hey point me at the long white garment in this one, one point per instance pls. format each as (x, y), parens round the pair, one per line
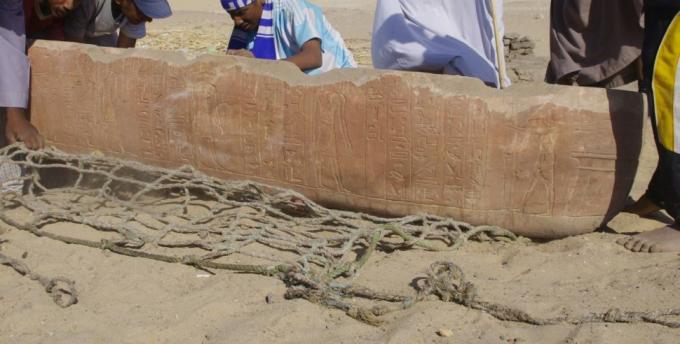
(14, 65)
(443, 36)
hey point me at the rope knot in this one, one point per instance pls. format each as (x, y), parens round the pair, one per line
(447, 281)
(63, 291)
(191, 260)
(105, 244)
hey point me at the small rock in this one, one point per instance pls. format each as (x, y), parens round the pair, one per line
(444, 332)
(269, 299)
(24, 255)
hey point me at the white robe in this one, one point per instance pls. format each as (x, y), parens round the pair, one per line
(14, 65)
(441, 36)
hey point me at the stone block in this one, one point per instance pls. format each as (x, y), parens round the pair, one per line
(544, 161)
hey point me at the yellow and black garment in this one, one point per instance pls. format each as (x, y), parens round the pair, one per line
(666, 88)
(661, 59)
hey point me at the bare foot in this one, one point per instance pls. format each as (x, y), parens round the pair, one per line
(643, 207)
(664, 239)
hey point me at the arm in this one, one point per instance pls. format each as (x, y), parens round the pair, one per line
(239, 39)
(75, 38)
(240, 52)
(304, 25)
(238, 43)
(77, 22)
(129, 34)
(309, 57)
(126, 42)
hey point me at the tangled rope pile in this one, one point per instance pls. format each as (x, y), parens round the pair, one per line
(150, 212)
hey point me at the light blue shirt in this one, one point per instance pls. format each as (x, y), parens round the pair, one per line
(295, 22)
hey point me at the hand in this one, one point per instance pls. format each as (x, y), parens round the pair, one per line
(125, 42)
(17, 128)
(240, 52)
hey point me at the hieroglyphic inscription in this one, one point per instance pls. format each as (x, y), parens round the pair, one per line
(376, 142)
(399, 135)
(295, 122)
(427, 116)
(389, 144)
(455, 147)
(476, 151)
(179, 124)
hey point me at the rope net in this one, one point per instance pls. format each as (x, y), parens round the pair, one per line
(184, 216)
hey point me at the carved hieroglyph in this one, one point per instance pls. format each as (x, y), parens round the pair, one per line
(543, 161)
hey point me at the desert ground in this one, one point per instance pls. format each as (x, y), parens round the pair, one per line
(133, 300)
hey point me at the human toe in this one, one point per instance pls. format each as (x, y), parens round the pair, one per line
(631, 243)
(624, 240)
(639, 244)
(646, 246)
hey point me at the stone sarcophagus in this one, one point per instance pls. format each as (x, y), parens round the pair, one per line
(543, 161)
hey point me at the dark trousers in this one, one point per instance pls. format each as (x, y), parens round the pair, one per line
(664, 188)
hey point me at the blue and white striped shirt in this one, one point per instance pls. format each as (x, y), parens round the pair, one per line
(292, 23)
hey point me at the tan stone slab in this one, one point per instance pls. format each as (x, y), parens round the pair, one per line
(543, 161)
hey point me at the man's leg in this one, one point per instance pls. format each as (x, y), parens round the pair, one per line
(643, 207)
(662, 55)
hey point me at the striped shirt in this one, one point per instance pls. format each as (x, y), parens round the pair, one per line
(292, 23)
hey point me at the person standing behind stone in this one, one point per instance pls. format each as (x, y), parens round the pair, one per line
(291, 30)
(595, 42)
(113, 23)
(661, 71)
(456, 37)
(14, 76)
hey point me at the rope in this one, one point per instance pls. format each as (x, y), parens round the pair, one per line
(61, 289)
(152, 213)
(447, 281)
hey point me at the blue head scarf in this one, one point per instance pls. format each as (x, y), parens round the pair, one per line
(264, 46)
(233, 5)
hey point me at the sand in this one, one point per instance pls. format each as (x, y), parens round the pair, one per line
(131, 300)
